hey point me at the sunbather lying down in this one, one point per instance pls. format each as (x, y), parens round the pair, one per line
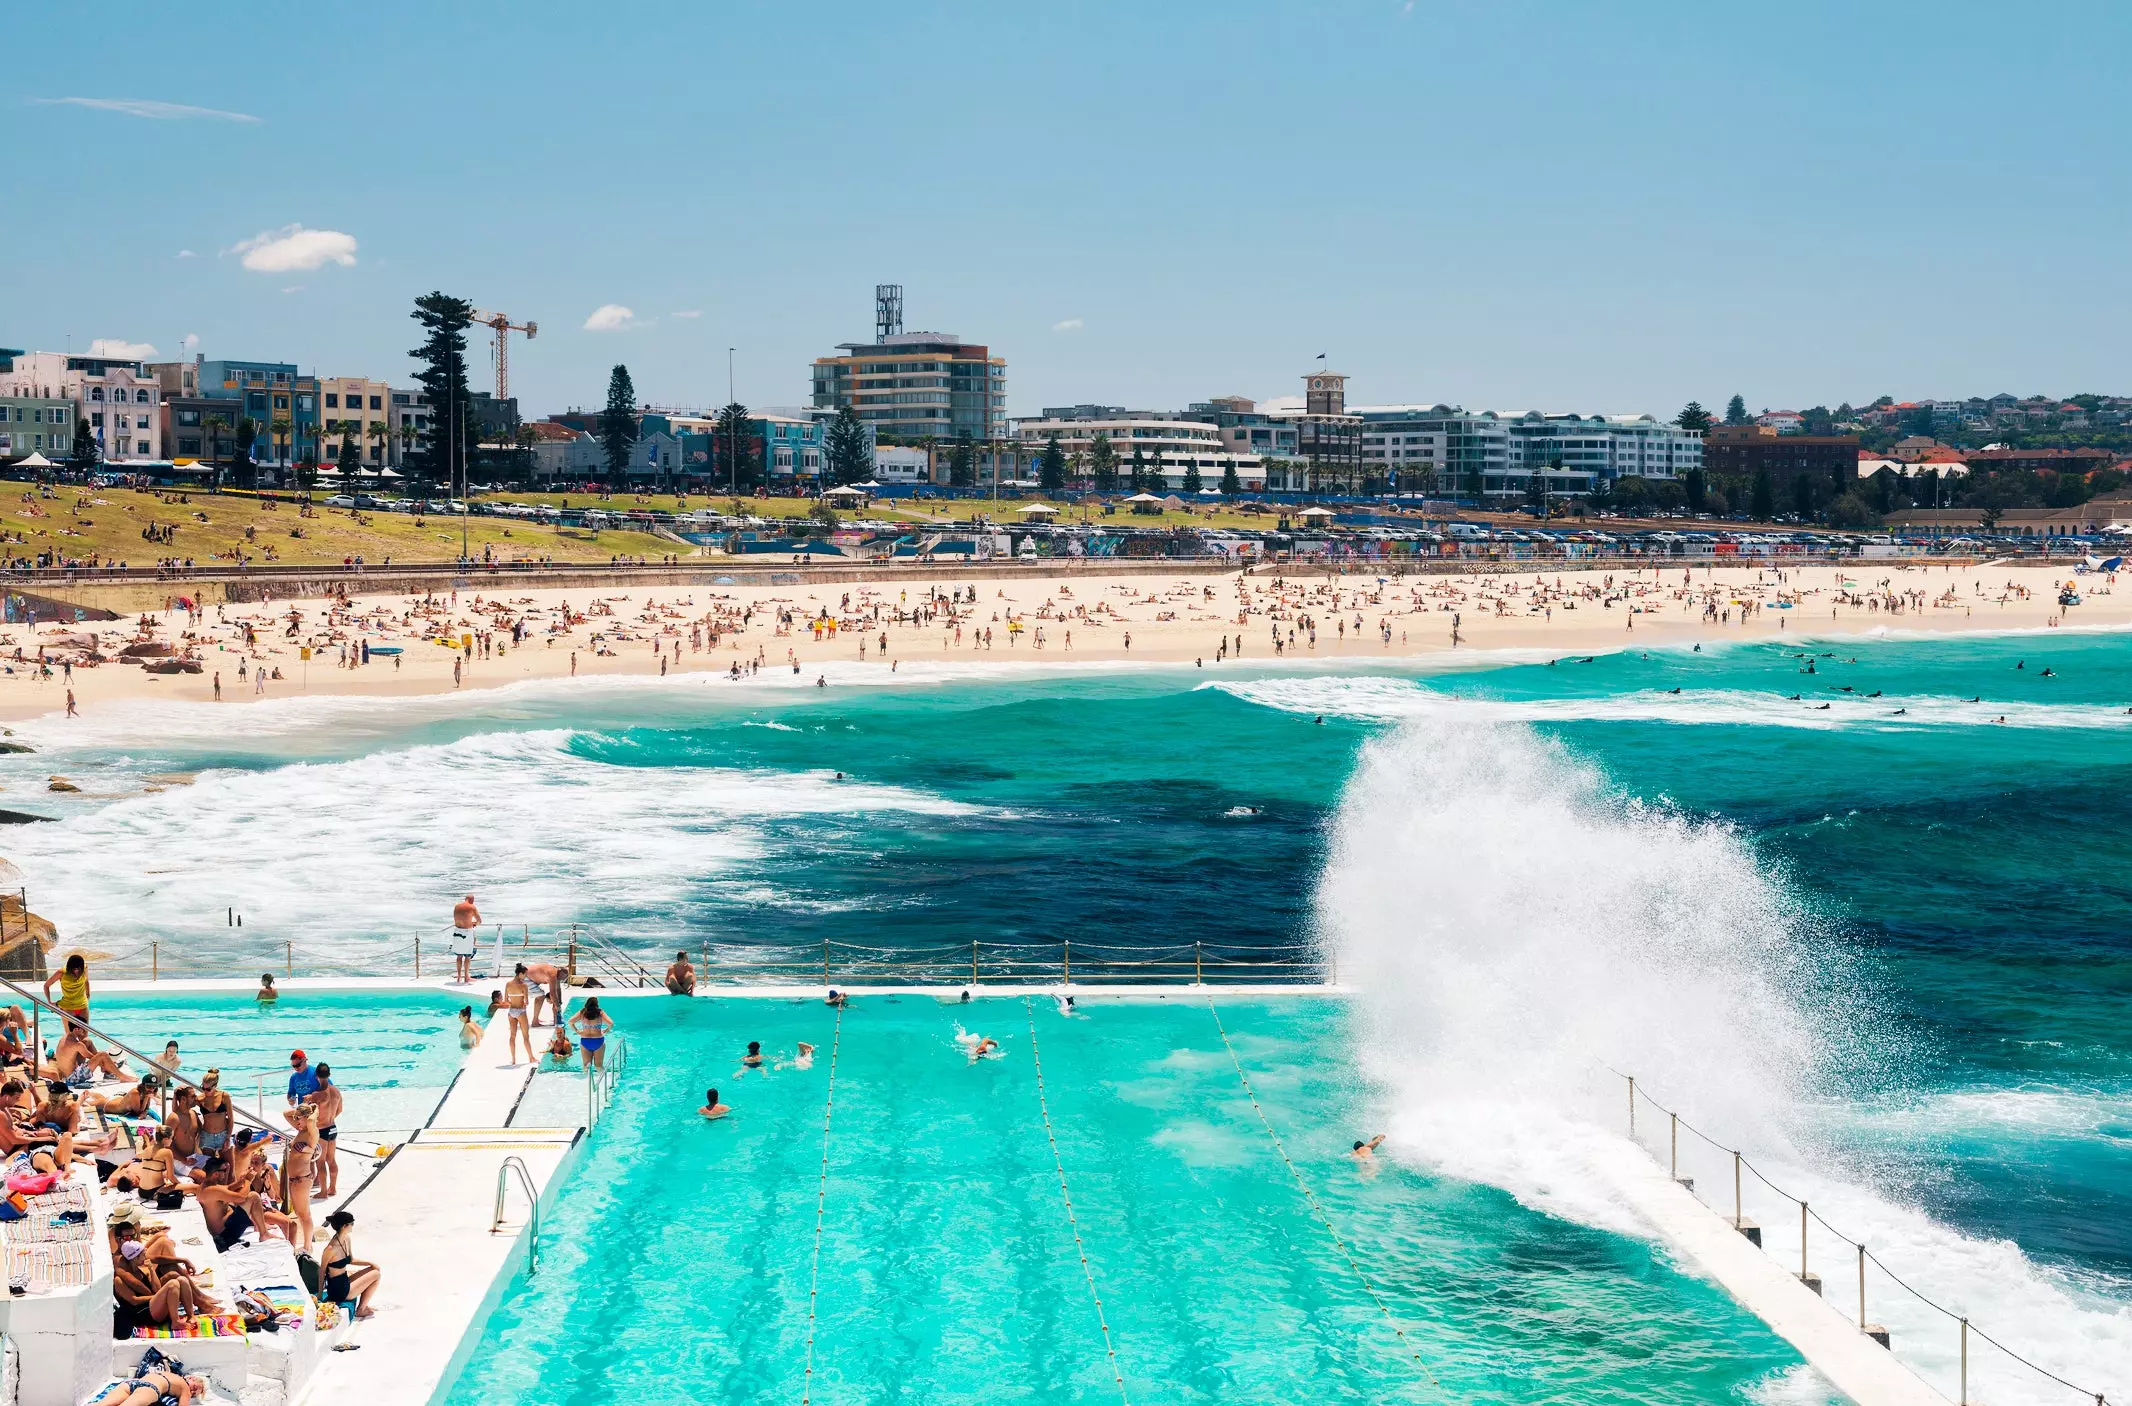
(151, 1387)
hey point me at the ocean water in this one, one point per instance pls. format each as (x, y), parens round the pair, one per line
(1877, 945)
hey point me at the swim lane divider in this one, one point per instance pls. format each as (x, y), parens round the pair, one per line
(1361, 1276)
(821, 1202)
(1043, 1105)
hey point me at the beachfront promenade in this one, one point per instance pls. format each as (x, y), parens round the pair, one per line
(425, 1218)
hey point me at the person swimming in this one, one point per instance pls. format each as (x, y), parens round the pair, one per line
(1364, 1151)
(753, 1058)
(559, 1050)
(1067, 1007)
(712, 1108)
(835, 998)
(802, 1058)
(977, 1047)
(266, 995)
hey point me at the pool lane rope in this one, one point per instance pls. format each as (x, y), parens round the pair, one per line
(821, 1202)
(1110, 1352)
(1361, 1276)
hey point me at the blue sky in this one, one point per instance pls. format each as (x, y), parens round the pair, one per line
(1509, 205)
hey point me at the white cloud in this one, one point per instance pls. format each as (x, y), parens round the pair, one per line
(293, 288)
(189, 342)
(293, 247)
(1071, 324)
(689, 312)
(187, 254)
(119, 349)
(147, 107)
(609, 317)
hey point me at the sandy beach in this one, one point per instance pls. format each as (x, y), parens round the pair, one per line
(1213, 620)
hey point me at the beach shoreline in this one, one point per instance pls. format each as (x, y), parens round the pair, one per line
(641, 631)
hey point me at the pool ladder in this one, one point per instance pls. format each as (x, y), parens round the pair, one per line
(517, 1164)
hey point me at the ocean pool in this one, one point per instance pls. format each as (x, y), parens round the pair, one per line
(677, 1258)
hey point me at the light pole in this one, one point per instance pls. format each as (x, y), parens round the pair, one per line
(732, 428)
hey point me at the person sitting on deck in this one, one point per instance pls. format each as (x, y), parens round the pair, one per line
(230, 1209)
(45, 1150)
(14, 1036)
(155, 1169)
(78, 1061)
(681, 977)
(346, 1276)
(142, 1301)
(134, 1103)
(61, 1112)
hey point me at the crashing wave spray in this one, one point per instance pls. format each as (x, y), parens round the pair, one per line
(1515, 925)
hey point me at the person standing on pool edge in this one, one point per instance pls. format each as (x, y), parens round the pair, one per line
(73, 981)
(465, 919)
(593, 1027)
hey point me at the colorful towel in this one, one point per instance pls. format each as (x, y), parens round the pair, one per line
(206, 1325)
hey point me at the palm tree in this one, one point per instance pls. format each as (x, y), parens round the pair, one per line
(216, 426)
(380, 433)
(280, 427)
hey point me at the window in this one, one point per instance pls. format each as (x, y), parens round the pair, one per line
(375, 402)
(142, 398)
(281, 402)
(140, 422)
(188, 444)
(333, 401)
(96, 418)
(306, 404)
(96, 392)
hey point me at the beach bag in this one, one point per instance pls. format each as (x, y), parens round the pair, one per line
(32, 1183)
(306, 1266)
(169, 1200)
(154, 1358)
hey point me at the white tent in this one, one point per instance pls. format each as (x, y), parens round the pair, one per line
(847, 491)
(1315, 513)
(33, 461)
(1040, 510)
(1143, 498)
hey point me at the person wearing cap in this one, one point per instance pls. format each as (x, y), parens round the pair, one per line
(302, 1082)
(134, 1103)
(465, 919)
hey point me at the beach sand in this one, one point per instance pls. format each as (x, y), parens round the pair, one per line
(1062, 620)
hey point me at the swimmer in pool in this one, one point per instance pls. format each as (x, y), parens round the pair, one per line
(1067, 1007)
(712, 1108)
(753, 1058)
(977, 1047)
(558, 1050)
(1366, 1151)
(836, 998)
(802, 1059)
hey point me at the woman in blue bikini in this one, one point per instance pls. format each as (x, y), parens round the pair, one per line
(592, 1026)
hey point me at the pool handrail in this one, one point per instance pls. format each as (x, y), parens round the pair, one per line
(525, 1179)
(151, 1067)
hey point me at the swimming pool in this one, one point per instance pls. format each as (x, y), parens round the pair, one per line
(393, 1052)
(676, 1261)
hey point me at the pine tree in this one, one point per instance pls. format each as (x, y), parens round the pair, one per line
(1158, 477)
(1193, 482)
(1693, 417)
(1697, 490)
(350, 460)
(844, 446)
(1051, 468)
(730, 439)
(1103, 464)
(1138, 473)
(445, 450)
(1762, 505)
(1230, 484)
(618, 423)
(86, 454)
(962, 465)
(1736, 410)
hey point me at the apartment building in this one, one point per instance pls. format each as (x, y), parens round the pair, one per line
(366, 402)
(915, 385)
(1495, 454)
(1179, 443)
(121, 400)
(265, 392)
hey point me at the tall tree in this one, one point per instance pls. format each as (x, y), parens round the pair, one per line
(1762, 506)
(1136, 475)
(1158, 478)
(217, 426)
(1697, 488)
(1693, 417)
(447, 448)
(1193, 479)
(962, 465)
(350, 458)
(279, 427)
(86, 454)
(1103, 464)
(1802, 495)
(1051, 468)
(618, 423)
(241, 447)
(1230, 484)
(1736, 410)
(732, 445)
(844, 446)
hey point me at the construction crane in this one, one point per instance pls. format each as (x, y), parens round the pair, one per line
(503, 327)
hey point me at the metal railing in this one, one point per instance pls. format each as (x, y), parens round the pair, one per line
(1742, 1165)
(600, 1082)
(510, 1164)
(579, 950)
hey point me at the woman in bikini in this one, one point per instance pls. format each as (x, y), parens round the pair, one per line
(152, 1387)
(155, 1169)
(299, 1164)
(142, 1302)
(469, 1030)
(592, 1026)
(558, 1050)
(346, 1276)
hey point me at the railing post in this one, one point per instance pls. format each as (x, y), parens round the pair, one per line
(1199, 976)
(418, 959)
(1861, 1287)
(1802, 1240)
(1739, 1212)
(1963, 1398)
(288, 959)
(973, 963)
(1675, 1152)
(825, 961)
(155, 961)
(1632, 1107)
(1069, 961)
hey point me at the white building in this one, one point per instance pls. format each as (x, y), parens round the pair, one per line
(898, 463)
(1495, 454)
(120, 399)
(1179, 445)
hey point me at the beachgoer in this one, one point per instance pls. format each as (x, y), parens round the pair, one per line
(592, 1026)
(326, 1098)
(712, 1108)
(216, 1116)
(548, 981)
(134, 1103)
(558, 1050)
(346, 1276)
(299, 1166)
(151, 1170)
(267, 994)
(469, 1028)
(302, 1081)
(836, 998)
(73, 983)
(157, 1386)
(753, 1058)
(803, 1057)
(516, 996)
(1366, 1151)
(184, 1123)
(78, 1061)
(466, 918)
(168, 1061)
(681, 977)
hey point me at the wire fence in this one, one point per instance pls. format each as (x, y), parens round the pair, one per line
(1743, 1167)
(588, 957)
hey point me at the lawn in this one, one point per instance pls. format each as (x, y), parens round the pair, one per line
(108, 526)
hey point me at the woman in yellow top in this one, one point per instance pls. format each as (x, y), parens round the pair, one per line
(73, 980)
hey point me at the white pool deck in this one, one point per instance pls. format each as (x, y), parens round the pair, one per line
(426, 1217)
(425, 1220)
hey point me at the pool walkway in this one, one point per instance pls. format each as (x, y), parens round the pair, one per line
(425, 1220)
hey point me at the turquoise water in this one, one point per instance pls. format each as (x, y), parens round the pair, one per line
(393, 1053)
(1880, 944)
(677, 1262)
